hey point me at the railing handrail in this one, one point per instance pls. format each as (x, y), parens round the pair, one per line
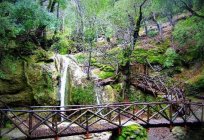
(76, 107)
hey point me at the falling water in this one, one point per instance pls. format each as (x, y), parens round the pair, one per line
(70, 72)
(98, 90)
(63, 81)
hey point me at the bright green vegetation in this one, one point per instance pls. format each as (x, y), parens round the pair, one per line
(133, 132)
(189, 33)
(83, 95)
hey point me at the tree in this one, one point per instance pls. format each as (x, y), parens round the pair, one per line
(127, 52)
(20, 22)
(190, 5)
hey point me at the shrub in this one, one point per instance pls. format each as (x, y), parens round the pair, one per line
(189, 34)
(152, 33)
(19, 21)
(63, 45)
(83, 95)
(80, 57)
(171, 57)
(133, 132)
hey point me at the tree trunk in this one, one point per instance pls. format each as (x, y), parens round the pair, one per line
(89, 63)
(159, 26)
(128, 53)
(52, 8)
(146, 28)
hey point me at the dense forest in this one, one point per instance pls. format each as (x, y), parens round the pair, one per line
(115, 51)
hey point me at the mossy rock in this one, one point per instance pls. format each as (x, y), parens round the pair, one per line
(110, 94)
(43, 56)
(21, 98)
(43, 81)
(11, 79)
(25, 77)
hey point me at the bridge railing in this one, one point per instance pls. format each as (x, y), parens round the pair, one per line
(50, 121)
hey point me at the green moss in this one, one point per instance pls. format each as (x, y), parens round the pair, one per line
(110, 93)
(41, 55)
(22, 98)
(93, 60)
(161, 54)
(104, 75)
(11, 75)
(117, 87)
(153, 56)
(102, 67)
(42, 84)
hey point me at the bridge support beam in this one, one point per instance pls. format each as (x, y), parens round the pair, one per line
(1, 123)
(56, 138)
(116, 133)
(87, 136)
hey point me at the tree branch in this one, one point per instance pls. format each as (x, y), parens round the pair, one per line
(138, 24)
(187, 7)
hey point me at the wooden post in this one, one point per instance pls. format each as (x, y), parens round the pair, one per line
(109, 115)
(1, 123)
(148, 114)
(147, 130)
(30, 121)
(56, 138)
(119, 118)
(133, 112)
(87, 127)
(185, 113)
(170, 115)
(202, 112)
(119, 131)
(119, 122)
(54, 123)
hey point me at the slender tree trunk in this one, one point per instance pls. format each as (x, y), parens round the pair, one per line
(89, 61)
(52, 8)
(159, 26)
(128, 52)
(170, 19)
(146, 28)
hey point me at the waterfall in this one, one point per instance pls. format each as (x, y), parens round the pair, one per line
(70, 74)
(98, 90)
(62, 90)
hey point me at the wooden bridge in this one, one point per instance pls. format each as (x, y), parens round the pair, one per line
(156, 86)
(54, 121)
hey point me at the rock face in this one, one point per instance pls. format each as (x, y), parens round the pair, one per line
(25, 81)
(34, 79)
(105, 94)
